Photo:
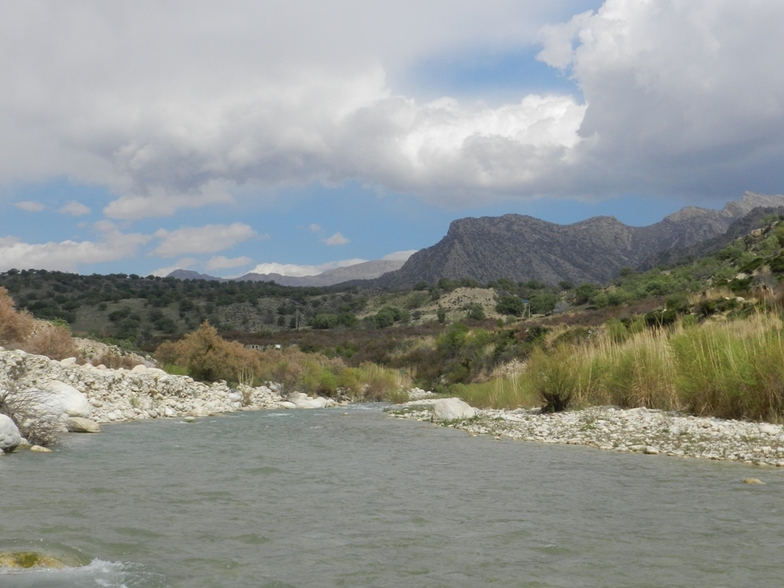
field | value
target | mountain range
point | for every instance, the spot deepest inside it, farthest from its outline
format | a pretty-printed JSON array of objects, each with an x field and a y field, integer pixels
[{"x": 523, "y": 248}]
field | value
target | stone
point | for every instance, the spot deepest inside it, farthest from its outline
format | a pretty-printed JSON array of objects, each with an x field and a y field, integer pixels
[
  {"x": 752, "y": 481},
  {"x": 769, "y": 429},
  {"x": 301, "y": 400},
  {"x": 10, "y": 438},
  {"x": 452, "y": 409},
  {"x": 28, "y": 559},
  {"x": 71, "y": 401},
  {"x": 39, "y": 449},
  {"x": 200, "y": 411},
  {"x": 81, "y": 425},
  {"x": 152, "y": 371}
]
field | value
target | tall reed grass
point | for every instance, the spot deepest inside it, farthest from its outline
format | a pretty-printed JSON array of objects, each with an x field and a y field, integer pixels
[
  {"x": 500, "y": 392},
  {"x": 731, "y": 369}
]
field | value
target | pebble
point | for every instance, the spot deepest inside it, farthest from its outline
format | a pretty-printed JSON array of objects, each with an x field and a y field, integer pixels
[{"x": 636, "y": 430}]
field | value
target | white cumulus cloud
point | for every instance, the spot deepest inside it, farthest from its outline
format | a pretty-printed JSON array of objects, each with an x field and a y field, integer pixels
[
  {"x": 399, "y": 255},
  {"x": 206, "y": 239},
  {"x": 30, "y": 206},
  {"x": 221, "y": 262},
  {"x": 681, "y": 96},
  {"x": 172, "y": 105},
  {"x": 175, "y": 105},
  {"x": 74, "y": 209},
  {"x": 69, "y": 255},
  {"x": 290, "y": 269},
  {"x": 336, "y": 239}
]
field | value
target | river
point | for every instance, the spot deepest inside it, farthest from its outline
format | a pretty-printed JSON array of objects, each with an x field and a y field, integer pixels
[{"x": 353, "y": 497}]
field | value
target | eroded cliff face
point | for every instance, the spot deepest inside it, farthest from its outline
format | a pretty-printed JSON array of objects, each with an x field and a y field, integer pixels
[{"x": 522, "y": 248}]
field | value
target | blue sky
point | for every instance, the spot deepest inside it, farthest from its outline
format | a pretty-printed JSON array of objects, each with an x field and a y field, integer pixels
[{"x": 296, "y": 136}]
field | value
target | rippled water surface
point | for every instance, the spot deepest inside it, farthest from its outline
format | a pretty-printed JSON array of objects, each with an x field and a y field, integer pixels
[{"x": 353, "y": 497}]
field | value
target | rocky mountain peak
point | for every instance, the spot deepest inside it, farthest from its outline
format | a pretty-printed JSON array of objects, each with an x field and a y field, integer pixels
[{"x": 523, "y": 248}]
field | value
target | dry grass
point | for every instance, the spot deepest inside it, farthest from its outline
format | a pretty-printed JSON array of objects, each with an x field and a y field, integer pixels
[
  {"x": 115, "y": 361},
  {"x": 207, "y": 356},
  {"x": 53, "y": 341},
  {"x": 15, "y": 326},
  {"x": 730, "y": 369}
]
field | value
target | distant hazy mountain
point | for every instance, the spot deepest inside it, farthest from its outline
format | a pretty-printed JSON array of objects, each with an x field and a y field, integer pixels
[
  {"x": 182, "y": 274},
  {"x": 359, "y": 271},
  {"x": 522, "y": 248}
]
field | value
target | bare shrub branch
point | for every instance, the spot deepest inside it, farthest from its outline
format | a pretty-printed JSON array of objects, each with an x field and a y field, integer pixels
[{"x": 21, "y": 407}]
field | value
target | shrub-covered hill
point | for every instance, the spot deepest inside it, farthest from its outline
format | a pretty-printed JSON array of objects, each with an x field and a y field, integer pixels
[
  {"x": 146, "y": 310},
  {"x": 142, "y": 309}
]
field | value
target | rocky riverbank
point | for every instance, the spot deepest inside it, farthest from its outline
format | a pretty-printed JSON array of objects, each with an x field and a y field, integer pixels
[
  {"x": 74, "y": 396},
  {"x": 627, "y": 430}
]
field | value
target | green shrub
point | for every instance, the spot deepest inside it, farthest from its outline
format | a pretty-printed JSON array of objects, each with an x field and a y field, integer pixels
[
  {"x": 510, "y": 305},
  {"x": 474, "y": 311},
  {"x": 584, "y": 293},
  {"x": 553, "y": 378}
]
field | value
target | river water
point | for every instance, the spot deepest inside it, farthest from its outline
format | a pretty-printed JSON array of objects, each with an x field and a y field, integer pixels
[{"x": 353, "y": 497}]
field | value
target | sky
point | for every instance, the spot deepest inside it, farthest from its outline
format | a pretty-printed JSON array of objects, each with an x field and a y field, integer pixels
[{"x": 294, "y": 136}]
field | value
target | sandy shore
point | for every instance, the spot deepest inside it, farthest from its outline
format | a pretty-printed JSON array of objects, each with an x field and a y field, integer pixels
[{"x": 632, "y": 430}]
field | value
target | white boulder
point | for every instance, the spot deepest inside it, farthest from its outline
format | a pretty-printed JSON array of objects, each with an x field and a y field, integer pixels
[
  {"x": 82, "y": 425},
  {"x": 452, "y": 409},
  {"x": 9, "y": 434},
  {"x": 301, "y": 400},
  {"x": 70, "y": 401},
  {"x": 152, "y": 371},
  {"x": 769, "y": 429}
]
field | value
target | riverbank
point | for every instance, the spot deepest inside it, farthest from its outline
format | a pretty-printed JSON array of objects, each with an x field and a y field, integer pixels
[
  {"x": 637, "y": 430},
  {"x": 79, "y": 398},
  {"x": 148, "y": 393}
]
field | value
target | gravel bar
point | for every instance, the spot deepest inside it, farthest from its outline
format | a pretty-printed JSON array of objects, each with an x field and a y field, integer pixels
[{"x": 637, "y": 430}]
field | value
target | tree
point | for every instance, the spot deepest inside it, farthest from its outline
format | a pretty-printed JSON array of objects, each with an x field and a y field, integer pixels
[
  {"x": 584, "y": 292},
  {"x": 387, "y": 316},
  {"x": 324, "y": 321},
  {"x": 511, "y": 305},
  {"x": 543, "y": 303}
]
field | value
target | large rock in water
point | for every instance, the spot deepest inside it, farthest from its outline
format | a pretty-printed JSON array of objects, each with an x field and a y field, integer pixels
[
  {"x": 81, "y": 425},
  {"x": 302, "y": 400},
  {"x": 452, "y": 409},
  {"x": 9, "y": 434}
]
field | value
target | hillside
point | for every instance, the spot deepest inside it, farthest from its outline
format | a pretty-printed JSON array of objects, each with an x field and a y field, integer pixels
[
  {"x": 740, "y": 228},
  {"x": 522, "y": 248}
]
